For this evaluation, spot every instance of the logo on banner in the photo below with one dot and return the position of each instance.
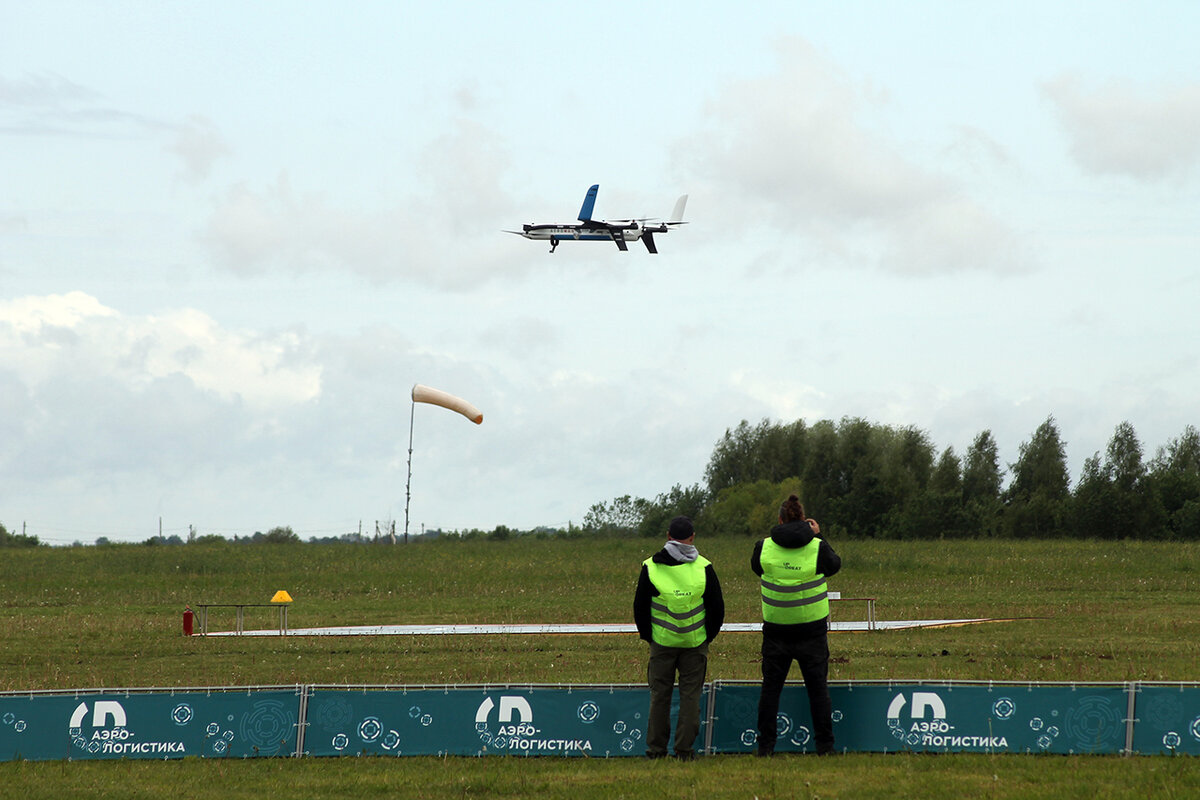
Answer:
(110, 733)
(10, 720)
(508, 705)
(927, 724)
(517, 732)
(922, 702)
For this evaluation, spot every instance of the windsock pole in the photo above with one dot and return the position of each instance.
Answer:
(425, 394)
(408, 484)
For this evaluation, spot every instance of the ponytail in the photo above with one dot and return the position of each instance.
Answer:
(791, 510)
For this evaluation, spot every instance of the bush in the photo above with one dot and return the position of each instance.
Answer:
(16, 539)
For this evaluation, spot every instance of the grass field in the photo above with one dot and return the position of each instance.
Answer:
(111, 617)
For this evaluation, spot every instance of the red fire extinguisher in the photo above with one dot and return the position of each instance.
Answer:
(187, 620)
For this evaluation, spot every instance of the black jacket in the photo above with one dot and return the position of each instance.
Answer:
(794, 535)
(714, 601)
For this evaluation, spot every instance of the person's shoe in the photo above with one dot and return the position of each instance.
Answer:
(764, 753)
(655, 755)
(686, 756)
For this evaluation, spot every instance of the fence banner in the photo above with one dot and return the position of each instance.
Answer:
(165, 724)
(595, 721)
(1167, 720)
(934, 718)
(531, 721)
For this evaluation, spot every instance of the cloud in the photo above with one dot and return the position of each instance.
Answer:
(45, 338)
(51, 105)
(520, 337)
(972, 146)
(1121, 129)
(45, 90)
(198, 144)
(125, 409)
(443, 234)
(13, 223)
(791, 150)
(92, 392)
(277, 229)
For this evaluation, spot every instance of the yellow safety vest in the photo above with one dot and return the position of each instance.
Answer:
(677, 613)
(792, 589)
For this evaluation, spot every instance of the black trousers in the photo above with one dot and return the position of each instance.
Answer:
(812, 655)
(691, 664)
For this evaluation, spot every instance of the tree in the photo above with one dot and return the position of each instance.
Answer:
(1174, 479)
(1116, 498)
(748, 509)
(278, 535)
(908, 465)
(780, 451)
(864, 497)
(1040, 490)
(622, 517)
(1092, 503)
(689, 502)
(946, 491)
(934, 511)
(1125, 459)
(1185, 522)
(820, 474)
(1137, 509)
(796, 441)
(981, 472)
(736, 457)
(981, 482)
(947, 475)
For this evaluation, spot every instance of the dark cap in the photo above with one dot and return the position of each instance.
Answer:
(681, 528)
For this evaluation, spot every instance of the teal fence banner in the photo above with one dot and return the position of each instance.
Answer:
(1167, 720)
(601, 721)
(933, 718)
(164, 724)
(591, 720)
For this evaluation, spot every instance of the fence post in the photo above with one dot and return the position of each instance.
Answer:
(1130, 707)
(710, 717)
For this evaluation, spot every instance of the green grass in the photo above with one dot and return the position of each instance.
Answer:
(111, 617)
(718, 777)
(90, 617)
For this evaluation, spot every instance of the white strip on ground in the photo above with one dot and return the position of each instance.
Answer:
(629, 628)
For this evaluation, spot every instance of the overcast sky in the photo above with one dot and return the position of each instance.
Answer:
(234, 235)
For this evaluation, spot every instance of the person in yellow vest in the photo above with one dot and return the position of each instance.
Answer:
(679, 609)
(793, 563)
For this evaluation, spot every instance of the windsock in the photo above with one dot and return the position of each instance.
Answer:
(426, 394)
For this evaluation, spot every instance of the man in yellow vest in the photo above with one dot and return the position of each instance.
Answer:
(793, 563)
(678, 608)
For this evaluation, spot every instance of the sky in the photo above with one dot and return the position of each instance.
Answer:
(233, 236)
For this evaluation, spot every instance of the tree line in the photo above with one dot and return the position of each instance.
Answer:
(285, 535)
(866, 480)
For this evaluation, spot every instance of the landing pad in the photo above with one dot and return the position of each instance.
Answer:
(592, 629)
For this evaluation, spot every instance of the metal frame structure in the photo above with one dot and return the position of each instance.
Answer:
(240, 629)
